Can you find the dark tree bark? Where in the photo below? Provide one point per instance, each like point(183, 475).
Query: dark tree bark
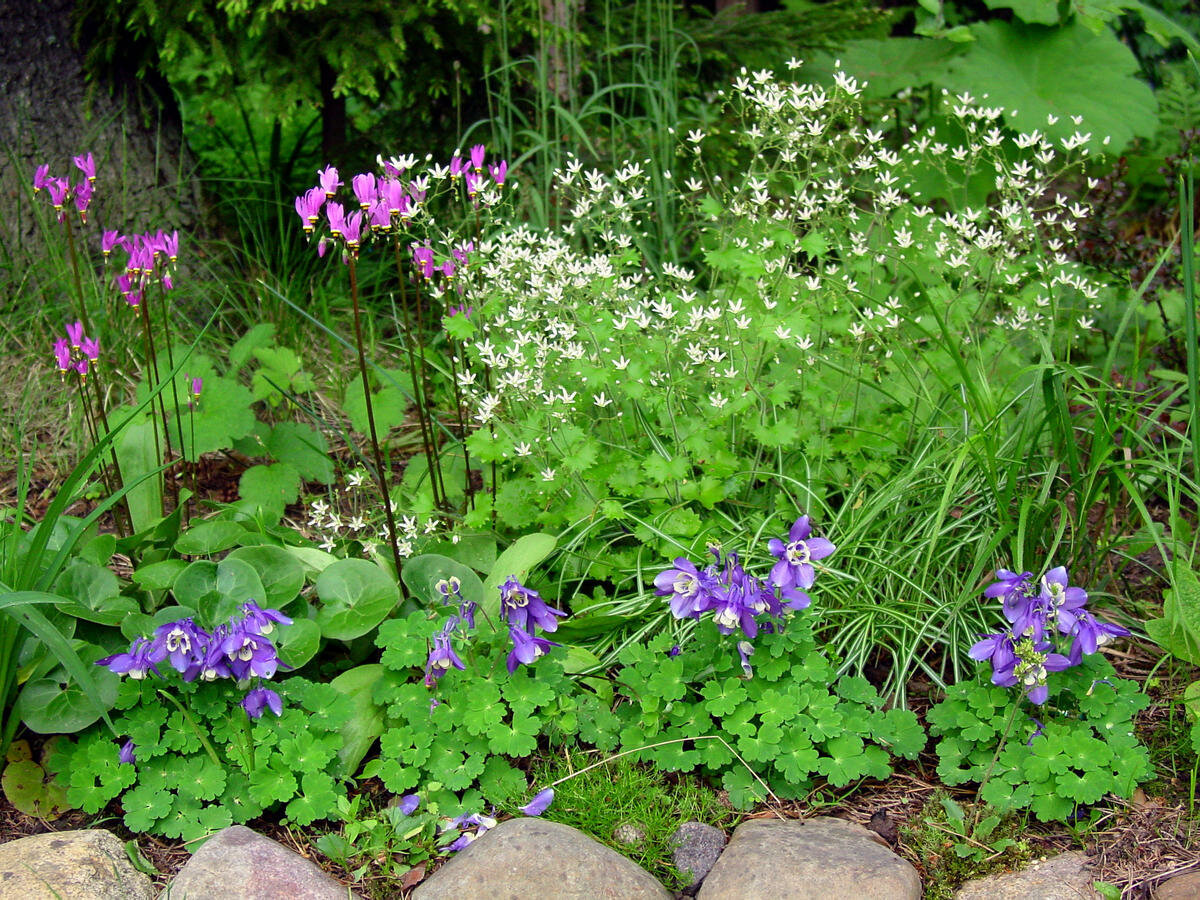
point(49, 113)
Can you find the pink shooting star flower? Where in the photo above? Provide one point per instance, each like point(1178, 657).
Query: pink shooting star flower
point(448, 269)
point(336, 213)
point(462, 252)
point(169, 244)
point(62, 354)
point(477, 154)
point(83, 199)
point(41, 177)
point(110, 239)
point(379, 215)
point(308, 208)
point(364, 189)
point(75, 335)
point(59, 189)
point(423, 257)
point(475, 183)
point(352, 231)
point(90, 348)
point(499, 172)
point(87, 165)
point(457, 167)
point(329, 181)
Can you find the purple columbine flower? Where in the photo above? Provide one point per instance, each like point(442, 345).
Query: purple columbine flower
point(540, 803)
point(257, 620)
point(183, 643)
point(1059, 596)
point(260, 699)
point(249, 654)
point(690, 589)
point(135, 663)
point(794, 568)
point(442, 656)
point(216, 663)
point(1090, 633)
point(526, 648)
point(998, 648)
point(128, 753)
point(745, 650)
point(524, 608)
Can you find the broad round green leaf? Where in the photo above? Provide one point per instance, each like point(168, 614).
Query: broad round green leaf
point(355, 597)
point(366, 718)
point(159, 575)
point(237, 582)
point(297, 643)
point(422, 573)
point(56, 704)
point(281, 573)
point(209, 537)
point(195, 583)
point(92, 593)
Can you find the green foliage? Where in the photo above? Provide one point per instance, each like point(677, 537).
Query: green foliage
point(201, 770)
point(789, 723)
point(1086, 748)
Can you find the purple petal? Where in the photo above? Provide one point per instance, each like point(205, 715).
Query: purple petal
point(540, 803)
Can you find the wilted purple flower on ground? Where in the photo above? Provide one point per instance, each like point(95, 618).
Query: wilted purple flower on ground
point(128, 753)
point(259, 699)
point(745, 650)
point(524, 608)
point(794, 568)
point(540, 803)
point(408, 804)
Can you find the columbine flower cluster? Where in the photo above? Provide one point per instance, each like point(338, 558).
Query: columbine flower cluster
point(737, 599)
point(239, 649)
point(525, 611)
point(521, 608)
point(62, 192)
point(76, 352)
point(1038, 611)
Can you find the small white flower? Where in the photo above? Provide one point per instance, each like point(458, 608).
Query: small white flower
point(523, 449)
point(547, 474)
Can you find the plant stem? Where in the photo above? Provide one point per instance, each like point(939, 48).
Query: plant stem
point(380, 476)
point(83, 316)
point(418, 392)
point(1012, 717)
point(1187, 251)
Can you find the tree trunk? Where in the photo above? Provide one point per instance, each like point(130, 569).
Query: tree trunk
point(50, 114)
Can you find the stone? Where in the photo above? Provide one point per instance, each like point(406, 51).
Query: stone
point(628, 834)
point(530, 858)
point(240, 864)
point(696, 847)
point(1064, 876)
point(71, 865)
point(1181, 887)
point(814, 859)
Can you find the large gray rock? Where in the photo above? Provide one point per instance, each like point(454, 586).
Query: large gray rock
point(70, 865)
point(816, 859)
point(1181, 887)
point(1061, 877)
point(240, 864)
point(696, 848)
point(523, 859)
